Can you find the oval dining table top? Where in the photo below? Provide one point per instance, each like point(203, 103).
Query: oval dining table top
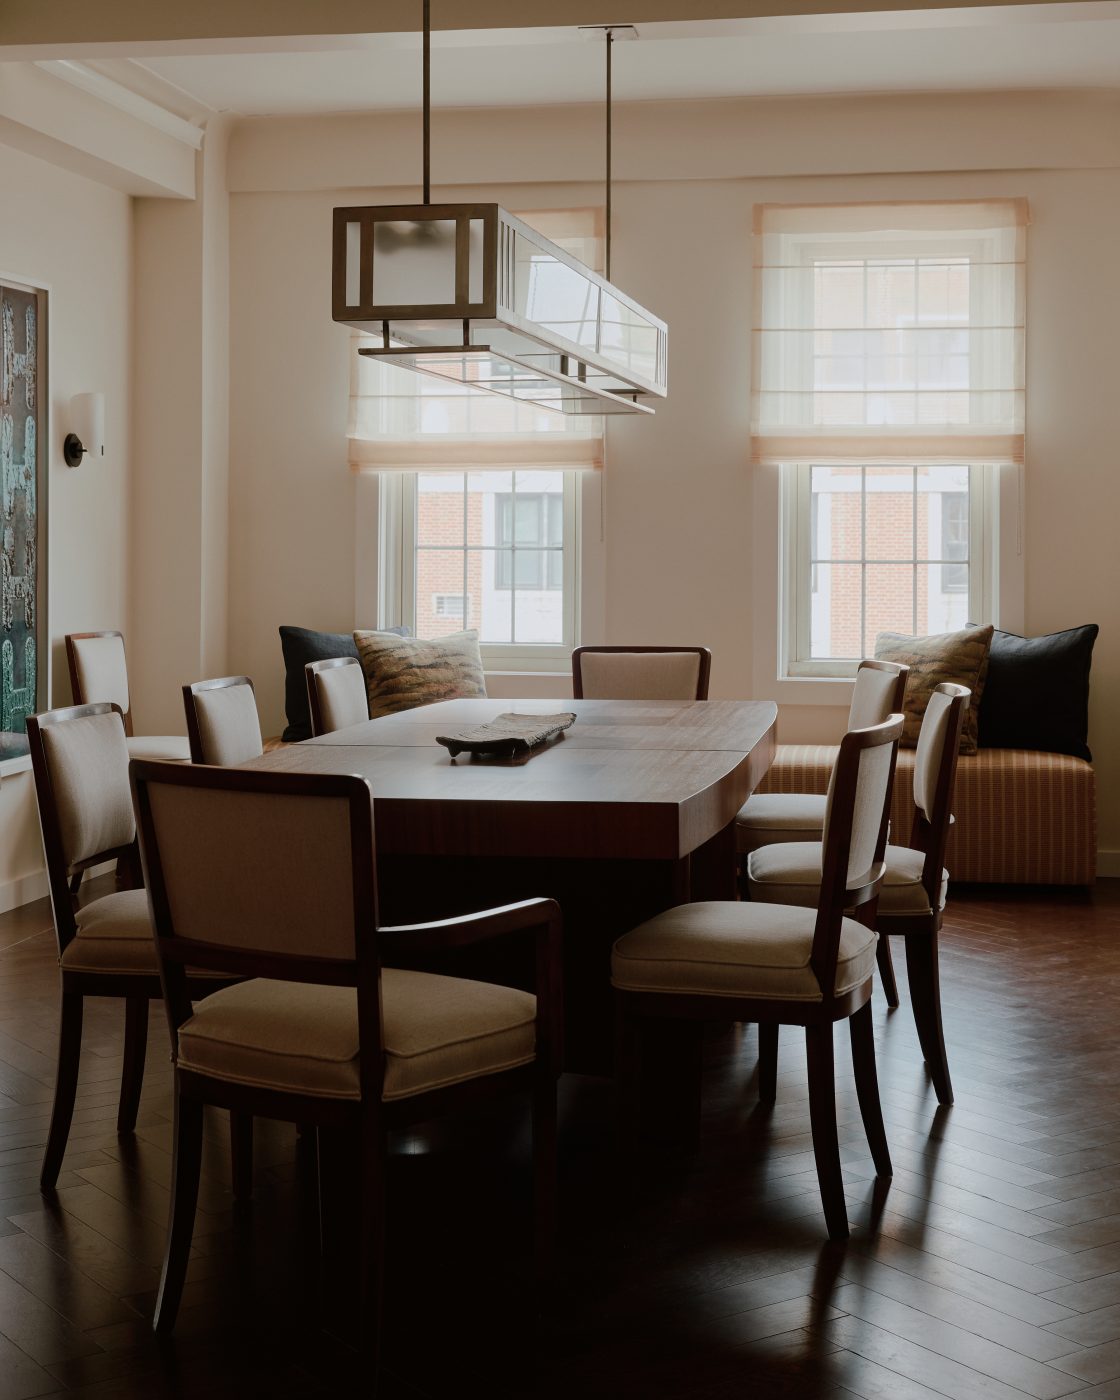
point(629, 780)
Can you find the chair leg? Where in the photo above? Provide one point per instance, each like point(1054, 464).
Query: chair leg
point(822, 1117)
point(886, 970)
point(184, 1198)
point(627, 1074)
point(925, 997)
point(867, 1088)
point(544, 1178)
point(371, 1249)
point(135, 1048)
point(65, 1087)
point(241, 1154)
point(768, 1061)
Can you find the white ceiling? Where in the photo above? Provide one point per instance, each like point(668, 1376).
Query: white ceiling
point(1016, 47)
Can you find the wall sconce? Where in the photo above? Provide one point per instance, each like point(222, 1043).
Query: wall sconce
point(87, 434)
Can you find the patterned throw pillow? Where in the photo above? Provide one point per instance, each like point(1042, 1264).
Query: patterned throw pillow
point(961, 657)
point(403, 672)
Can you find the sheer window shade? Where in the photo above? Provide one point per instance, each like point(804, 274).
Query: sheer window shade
point(404, 421)
point(889, 332)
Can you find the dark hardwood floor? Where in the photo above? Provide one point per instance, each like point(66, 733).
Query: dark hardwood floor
point(989, 1267)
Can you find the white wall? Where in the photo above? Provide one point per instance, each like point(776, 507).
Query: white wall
point(74, 236)
point(681, 508)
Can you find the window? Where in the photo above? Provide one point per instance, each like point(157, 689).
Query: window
point(888, 384)
point(879, 556)
point(954, 541)
point(530, 531)
point(492, 550)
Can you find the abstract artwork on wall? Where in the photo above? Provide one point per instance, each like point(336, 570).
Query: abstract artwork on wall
point(22, 420)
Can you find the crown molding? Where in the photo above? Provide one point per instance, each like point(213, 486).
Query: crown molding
point(124, 99)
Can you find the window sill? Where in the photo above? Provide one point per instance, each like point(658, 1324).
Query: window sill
point(10, 766)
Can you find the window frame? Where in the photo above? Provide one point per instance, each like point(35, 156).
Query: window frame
point(397, 570)
point(795, 660)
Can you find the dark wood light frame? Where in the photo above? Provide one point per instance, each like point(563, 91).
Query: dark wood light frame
point(702, 676)
point(930, 835)
point(76, 688)
point(314, 704)
point(818, 1017)
point(367, 1120)
point(135, 989)
point(194, 733)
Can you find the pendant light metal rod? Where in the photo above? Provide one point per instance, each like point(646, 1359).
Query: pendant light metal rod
point(607, 247)
point(428, 101)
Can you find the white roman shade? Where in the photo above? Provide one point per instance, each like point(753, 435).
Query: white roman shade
point(404, 421)
point(889, 333)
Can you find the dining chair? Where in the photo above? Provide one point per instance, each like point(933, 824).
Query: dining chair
point(769, 817)
point(271, 876)
point(336, 694)
point(915, 883)
point(774, 965)
point(641, 673)
point(106, 948)
point(99, 672)
point(222, 722)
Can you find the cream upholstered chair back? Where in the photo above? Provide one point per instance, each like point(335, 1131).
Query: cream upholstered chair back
point(879, 691)
point(85, 761)
point(858, 802)
point(641, 673)
point(252, 864)
point(222, 722)
point(336, 694)
point(855, 835)
point(79, 758)
point(938, 725)
point(98, 670)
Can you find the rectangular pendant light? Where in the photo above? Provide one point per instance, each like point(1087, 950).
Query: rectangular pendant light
point(470, 293)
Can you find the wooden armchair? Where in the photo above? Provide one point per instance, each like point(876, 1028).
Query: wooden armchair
point(271, 877)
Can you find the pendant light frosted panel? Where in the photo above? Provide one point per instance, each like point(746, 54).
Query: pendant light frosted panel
point(471, 293)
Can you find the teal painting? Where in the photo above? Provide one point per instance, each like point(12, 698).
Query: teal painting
point(21, 399)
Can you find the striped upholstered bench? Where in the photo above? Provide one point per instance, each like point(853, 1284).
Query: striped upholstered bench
point(1022, 817)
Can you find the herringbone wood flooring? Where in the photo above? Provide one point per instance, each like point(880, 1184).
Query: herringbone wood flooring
point(989, 1267)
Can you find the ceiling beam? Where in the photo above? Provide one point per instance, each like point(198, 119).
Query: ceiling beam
point(122, 28)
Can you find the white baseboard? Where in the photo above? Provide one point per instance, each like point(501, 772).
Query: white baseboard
point(23, 890)
point(1108, 864)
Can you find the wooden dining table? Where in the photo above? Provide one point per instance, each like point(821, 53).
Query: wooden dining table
point(628, 812)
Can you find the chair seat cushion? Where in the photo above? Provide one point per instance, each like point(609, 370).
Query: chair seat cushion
point(728, 949)
point(902, 891)
point(779, 816)
point(114, 936)
point(159, 746)
point(303, 1039)
point(786, 873)
point(791, 874)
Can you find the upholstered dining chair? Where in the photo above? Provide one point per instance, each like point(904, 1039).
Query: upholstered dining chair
point(106, 948)
point(336, 694)
point(641, 673)
point(768, 817)
point(735, 961)
point(222, 722)
point(272, 877)
point(911, 900)
point(99, 672)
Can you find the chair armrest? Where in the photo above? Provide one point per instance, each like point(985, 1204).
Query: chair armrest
point(466, 929)
point(541, 917)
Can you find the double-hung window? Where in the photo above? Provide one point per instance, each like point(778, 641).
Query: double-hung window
point(479, 501)
point(888, 386)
